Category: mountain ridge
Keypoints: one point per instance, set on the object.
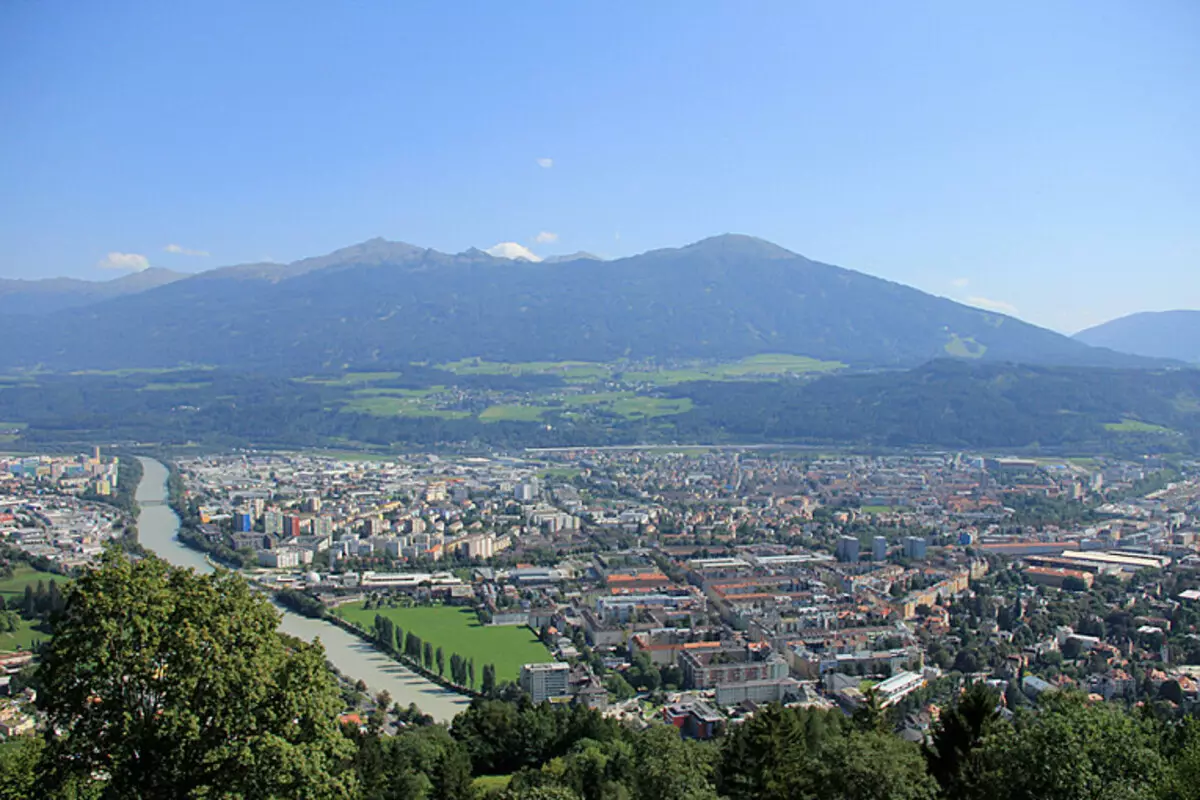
(1158, 334)
(381, 303)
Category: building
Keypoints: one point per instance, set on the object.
(272, 523)
(915, 547)
(897, 687)
(847, 550)
(879, 548)
(1051, 576)
(284, 558)
(707, 669)
(242, 523)
(291, 526)
(694, 719)
(761, 692)
(546, 681)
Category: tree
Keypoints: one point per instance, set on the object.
(173, 684)
(18, 767)
(427, 655)
(488, 684)
(440, 658)
(618, 687)
(951, 755)
(668, 768)
(751, 759)
(471, 673)
(873, 766)
(1070, 750)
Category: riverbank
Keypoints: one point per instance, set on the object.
(354, 658)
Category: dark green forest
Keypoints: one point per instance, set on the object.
(944, 404)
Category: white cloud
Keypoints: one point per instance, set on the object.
(546, 237)
(129, 262)
(545, 163)
(512, 250)
(961, 283)
(180, 250)
(993, 305)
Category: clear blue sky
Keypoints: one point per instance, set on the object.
(1040, 156)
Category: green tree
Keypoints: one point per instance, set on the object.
(872, 765)
(488, 685)
(668, 768)
(952, 753)
(173, 684)
(1070, 750)
(440, 658)
(18, 767)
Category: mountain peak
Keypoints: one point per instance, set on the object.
(579, 256)
(739, 244)
(371, 252)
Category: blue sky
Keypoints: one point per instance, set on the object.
(1037, 157)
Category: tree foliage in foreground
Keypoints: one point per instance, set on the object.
(171, 684)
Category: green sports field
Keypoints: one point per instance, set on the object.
(14, 587)
(457, 630)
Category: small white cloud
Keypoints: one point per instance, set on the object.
(512, 250)
(993, 305)
(545, 163)
(180, 250)
(129, 262)
(546, 237)
(961, 283)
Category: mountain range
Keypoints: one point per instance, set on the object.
(56, 294)
(384, 304)
(1161, 334)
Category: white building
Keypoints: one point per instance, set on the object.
(546, 681)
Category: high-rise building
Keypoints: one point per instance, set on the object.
(914, 547)
(242, 522)
(879, 548)
(273, 523)
(847, 549)
(546, 681)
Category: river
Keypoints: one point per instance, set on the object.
(157, 525)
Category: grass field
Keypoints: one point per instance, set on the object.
(760, 366)
(23, 575)
(155, 386)
(513, 413)
(22, 638)
(628, 404)
(877, 509)
(486, 784)
(457, 630)
(12, 590)
(571, 371)
(400, 403)
(965, 348)
(1135, 426)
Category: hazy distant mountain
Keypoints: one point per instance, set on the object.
(389, 303)
(572, 257)
(55, 294)
(1158, 334)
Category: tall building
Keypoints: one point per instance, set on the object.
(545, 681)
(914, 547)
(879, 548)
(273, 523)
(291, 526)
(847, 549)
